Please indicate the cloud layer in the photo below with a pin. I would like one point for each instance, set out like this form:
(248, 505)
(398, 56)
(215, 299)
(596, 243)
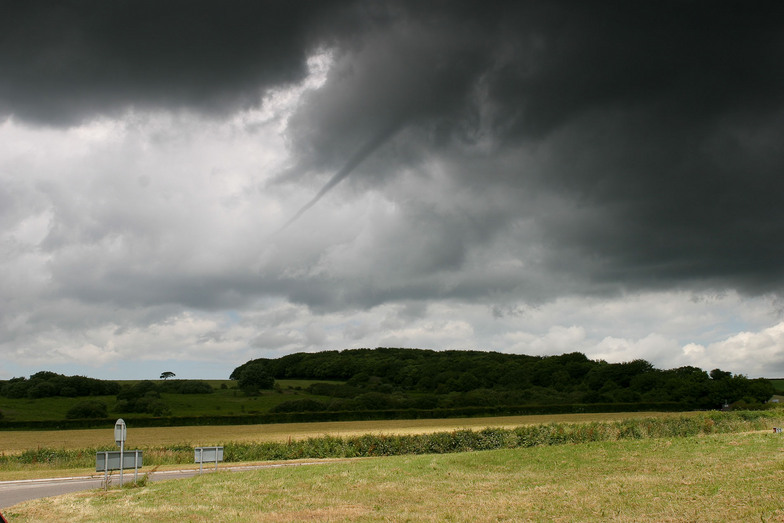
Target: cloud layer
(199, 183)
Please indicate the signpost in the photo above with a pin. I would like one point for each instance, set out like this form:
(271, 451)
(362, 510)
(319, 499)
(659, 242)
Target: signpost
(208, 455)
(114, 460)
(119, 438)
(110, 460)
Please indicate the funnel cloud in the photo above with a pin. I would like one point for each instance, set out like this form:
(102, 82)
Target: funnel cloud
(353, 162)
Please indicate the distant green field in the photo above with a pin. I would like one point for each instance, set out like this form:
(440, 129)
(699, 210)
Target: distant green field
(778, 384)
(224, 401)
(42, 409)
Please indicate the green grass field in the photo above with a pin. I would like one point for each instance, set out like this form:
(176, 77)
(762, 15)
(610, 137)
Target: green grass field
(222, 402)
(42, 409)
(717, 477)
(778, 384)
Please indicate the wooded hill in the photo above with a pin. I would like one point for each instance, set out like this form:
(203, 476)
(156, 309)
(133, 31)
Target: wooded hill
(383, 383)
(389, 378)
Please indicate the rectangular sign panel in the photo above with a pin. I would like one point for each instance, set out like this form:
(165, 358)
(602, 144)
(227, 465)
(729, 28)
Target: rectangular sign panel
(131, 459)
(120, 431)
(208, 454)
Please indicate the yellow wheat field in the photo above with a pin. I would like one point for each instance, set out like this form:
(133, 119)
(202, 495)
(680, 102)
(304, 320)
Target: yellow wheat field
(14, 442)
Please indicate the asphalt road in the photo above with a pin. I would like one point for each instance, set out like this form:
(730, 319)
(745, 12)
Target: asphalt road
(13, 492)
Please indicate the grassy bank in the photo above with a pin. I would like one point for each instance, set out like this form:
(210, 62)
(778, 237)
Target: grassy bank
(714, 477)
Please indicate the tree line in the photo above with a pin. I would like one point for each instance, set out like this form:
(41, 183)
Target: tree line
(391, 379)
(140, 397)
(416, 378)
(47, 384)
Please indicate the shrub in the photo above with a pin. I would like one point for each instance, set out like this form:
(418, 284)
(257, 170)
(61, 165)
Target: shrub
(185, 387)
(254, 377)
(305, 405)
(15, 388)
(47, 384)
(69, 392)
(142, 397)
(41, 389)
(375, 401)
(138, 390)
(87, 409)
(333, 390)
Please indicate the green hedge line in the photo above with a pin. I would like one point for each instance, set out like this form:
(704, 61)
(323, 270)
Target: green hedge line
(496, 438)
(359, 415)
(373, 445)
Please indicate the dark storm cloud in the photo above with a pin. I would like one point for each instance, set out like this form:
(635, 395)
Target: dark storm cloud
(656, 124)
(63, 61)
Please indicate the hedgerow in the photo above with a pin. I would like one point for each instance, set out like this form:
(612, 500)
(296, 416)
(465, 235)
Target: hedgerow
(374, 445)
(351, 415)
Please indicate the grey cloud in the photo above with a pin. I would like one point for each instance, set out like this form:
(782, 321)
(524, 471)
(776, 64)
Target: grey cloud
(656, 127)
(654, 123)
(66, 61)
(413, 73)
(662, 205)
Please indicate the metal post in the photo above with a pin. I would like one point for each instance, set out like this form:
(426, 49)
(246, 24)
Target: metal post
(135, 464)
(119, 439)
(122, 461)
(216, 459)
(201, 458)
(106, 471)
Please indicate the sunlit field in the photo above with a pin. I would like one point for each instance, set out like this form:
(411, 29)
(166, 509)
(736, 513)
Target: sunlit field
(17, 441)
(169, 446)
(367, 439)
(717, 477)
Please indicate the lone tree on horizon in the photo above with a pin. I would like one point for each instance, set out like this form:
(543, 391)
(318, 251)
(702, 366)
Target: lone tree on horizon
(166, 375)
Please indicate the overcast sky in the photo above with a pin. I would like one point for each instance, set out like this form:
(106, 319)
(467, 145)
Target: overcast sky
(188, 185)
